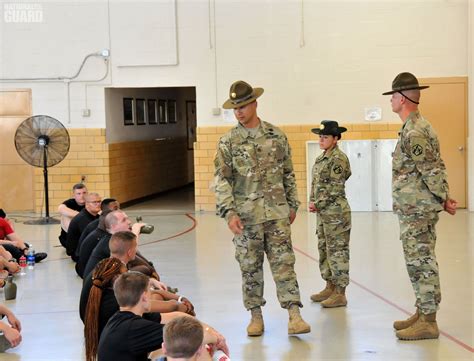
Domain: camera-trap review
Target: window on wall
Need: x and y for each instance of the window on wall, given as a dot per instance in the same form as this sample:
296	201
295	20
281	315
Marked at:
128	118
151	113
140	112
151	107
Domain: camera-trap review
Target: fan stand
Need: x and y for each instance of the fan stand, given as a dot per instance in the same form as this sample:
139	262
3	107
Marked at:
45	220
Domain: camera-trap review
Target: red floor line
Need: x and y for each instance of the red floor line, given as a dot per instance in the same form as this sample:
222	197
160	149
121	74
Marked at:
178	234
156	241
447	335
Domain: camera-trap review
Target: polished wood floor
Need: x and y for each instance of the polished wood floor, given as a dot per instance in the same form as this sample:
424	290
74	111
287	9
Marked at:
194	252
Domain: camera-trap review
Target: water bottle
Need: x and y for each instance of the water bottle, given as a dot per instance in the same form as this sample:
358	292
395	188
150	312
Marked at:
146	228
30	258
22	265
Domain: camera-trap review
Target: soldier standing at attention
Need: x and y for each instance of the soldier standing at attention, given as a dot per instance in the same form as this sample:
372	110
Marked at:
420	190
328	199
256	194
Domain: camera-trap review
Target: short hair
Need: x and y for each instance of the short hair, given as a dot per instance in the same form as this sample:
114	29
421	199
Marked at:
90	195
121	242
112	219
182	337
78	186
105	203
102	219
129	287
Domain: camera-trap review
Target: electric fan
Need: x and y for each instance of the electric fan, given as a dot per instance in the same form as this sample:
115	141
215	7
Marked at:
42	141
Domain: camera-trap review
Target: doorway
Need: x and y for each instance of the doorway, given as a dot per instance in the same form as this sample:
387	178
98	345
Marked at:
444	104
16	176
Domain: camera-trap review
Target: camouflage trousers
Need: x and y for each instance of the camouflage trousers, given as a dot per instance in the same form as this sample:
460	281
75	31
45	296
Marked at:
418	236
333	231
274	239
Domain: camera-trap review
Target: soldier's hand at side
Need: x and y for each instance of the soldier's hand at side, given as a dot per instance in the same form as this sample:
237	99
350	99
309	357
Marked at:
312	208
235	225
450	206
292	216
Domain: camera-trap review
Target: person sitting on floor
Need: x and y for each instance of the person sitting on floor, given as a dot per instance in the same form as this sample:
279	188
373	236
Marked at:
70	208
128	335
11	336
117	221
98	304
106	205
7	265
90	242
4	216
80	222
10	240
184	340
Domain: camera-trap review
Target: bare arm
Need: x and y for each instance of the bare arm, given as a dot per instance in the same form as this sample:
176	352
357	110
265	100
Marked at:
16	240
66	211
211	336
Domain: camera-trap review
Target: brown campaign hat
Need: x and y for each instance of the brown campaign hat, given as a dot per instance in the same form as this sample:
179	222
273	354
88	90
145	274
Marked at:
329	127
405	81
240	94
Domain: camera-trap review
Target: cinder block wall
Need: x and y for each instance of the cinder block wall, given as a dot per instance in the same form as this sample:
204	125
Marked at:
298	135
125	171
88	155
139	169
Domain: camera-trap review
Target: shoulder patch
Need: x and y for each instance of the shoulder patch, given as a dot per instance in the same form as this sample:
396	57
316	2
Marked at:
337	169
418	147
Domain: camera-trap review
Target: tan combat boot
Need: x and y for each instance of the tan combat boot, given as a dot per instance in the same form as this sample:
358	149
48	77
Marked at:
337	298
423	328
324	294
400	325
256	326
296	324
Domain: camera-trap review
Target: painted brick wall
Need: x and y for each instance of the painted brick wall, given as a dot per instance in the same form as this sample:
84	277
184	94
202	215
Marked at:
88	155
138	169
298	135
125	171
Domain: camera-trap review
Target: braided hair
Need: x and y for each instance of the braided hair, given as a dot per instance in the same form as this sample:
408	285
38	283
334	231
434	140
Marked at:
103	277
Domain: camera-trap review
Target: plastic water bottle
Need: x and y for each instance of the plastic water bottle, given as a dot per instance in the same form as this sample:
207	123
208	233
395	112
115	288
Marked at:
22	265
30	258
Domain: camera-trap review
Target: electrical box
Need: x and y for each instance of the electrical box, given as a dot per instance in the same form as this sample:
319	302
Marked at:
370	186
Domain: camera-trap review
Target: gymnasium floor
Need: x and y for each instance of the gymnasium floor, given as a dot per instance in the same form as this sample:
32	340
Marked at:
194	252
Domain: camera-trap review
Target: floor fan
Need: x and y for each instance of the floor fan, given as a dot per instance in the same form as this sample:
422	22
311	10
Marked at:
43	142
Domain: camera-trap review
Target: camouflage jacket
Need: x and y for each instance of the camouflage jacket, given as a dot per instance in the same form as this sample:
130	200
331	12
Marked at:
419	180
330	172
254	176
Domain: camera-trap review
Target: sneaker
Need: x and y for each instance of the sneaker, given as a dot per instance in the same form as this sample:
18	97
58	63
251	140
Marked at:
40	256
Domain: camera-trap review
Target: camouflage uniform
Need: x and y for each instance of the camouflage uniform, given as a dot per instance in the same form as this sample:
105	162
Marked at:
255	180
419	185
330	172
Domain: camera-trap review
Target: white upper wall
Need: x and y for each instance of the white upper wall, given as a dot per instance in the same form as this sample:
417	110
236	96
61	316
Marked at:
329	61
352	50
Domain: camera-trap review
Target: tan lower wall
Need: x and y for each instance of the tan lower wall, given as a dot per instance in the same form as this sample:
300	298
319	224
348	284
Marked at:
125	171
139	169
298	135
88	156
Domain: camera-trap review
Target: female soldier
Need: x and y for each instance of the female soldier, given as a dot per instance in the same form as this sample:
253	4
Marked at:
328	199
